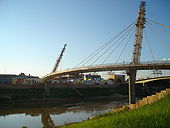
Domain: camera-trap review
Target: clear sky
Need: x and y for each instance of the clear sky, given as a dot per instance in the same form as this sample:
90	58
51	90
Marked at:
33	32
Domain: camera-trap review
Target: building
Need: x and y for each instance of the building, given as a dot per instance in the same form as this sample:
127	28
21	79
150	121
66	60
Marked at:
6	78
92	77
118	79
20	79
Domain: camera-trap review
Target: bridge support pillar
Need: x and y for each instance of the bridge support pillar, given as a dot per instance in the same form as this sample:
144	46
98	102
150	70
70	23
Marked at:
132	79
140	21
47	90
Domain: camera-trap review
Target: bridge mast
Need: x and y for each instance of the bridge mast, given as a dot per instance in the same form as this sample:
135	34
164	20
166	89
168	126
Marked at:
59	59
137	50
139	34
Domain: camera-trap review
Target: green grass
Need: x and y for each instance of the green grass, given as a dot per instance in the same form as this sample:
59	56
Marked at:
156	115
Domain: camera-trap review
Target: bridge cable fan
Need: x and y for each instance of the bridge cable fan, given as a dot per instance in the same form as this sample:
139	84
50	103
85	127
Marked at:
119	45
83	62
123	36
155	34
124	47
158	23
150	49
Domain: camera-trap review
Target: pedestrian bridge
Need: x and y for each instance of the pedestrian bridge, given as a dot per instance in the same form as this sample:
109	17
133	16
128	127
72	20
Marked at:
158	65
152	79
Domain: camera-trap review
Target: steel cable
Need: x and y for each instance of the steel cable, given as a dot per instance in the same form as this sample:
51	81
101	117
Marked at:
158	38
102	47
124	47
125	34
149	45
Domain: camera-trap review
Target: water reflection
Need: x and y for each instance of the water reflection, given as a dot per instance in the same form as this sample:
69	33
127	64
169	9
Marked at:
46	116
47	121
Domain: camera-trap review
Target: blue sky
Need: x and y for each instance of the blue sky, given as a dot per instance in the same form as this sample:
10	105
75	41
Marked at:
33	32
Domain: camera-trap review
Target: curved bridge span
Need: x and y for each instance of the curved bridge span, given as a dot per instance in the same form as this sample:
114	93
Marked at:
161	65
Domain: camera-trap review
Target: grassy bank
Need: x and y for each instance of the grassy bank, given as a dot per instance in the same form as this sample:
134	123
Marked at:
156	115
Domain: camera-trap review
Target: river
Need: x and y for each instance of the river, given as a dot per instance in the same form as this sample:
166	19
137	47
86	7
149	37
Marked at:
52	115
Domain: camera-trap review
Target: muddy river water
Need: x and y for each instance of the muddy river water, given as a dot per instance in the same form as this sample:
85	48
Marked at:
52	115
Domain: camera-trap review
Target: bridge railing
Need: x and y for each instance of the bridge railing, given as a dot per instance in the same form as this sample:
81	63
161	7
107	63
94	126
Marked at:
116	65
155	62
125	63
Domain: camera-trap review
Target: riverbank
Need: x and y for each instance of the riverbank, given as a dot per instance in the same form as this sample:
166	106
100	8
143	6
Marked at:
155	115
59	101
37	94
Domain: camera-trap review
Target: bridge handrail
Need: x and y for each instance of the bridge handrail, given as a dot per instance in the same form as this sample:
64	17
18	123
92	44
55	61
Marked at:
111	65
118	64
126	63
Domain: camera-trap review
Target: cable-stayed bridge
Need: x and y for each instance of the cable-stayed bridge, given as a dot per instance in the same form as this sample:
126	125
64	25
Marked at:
159	65
111	46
